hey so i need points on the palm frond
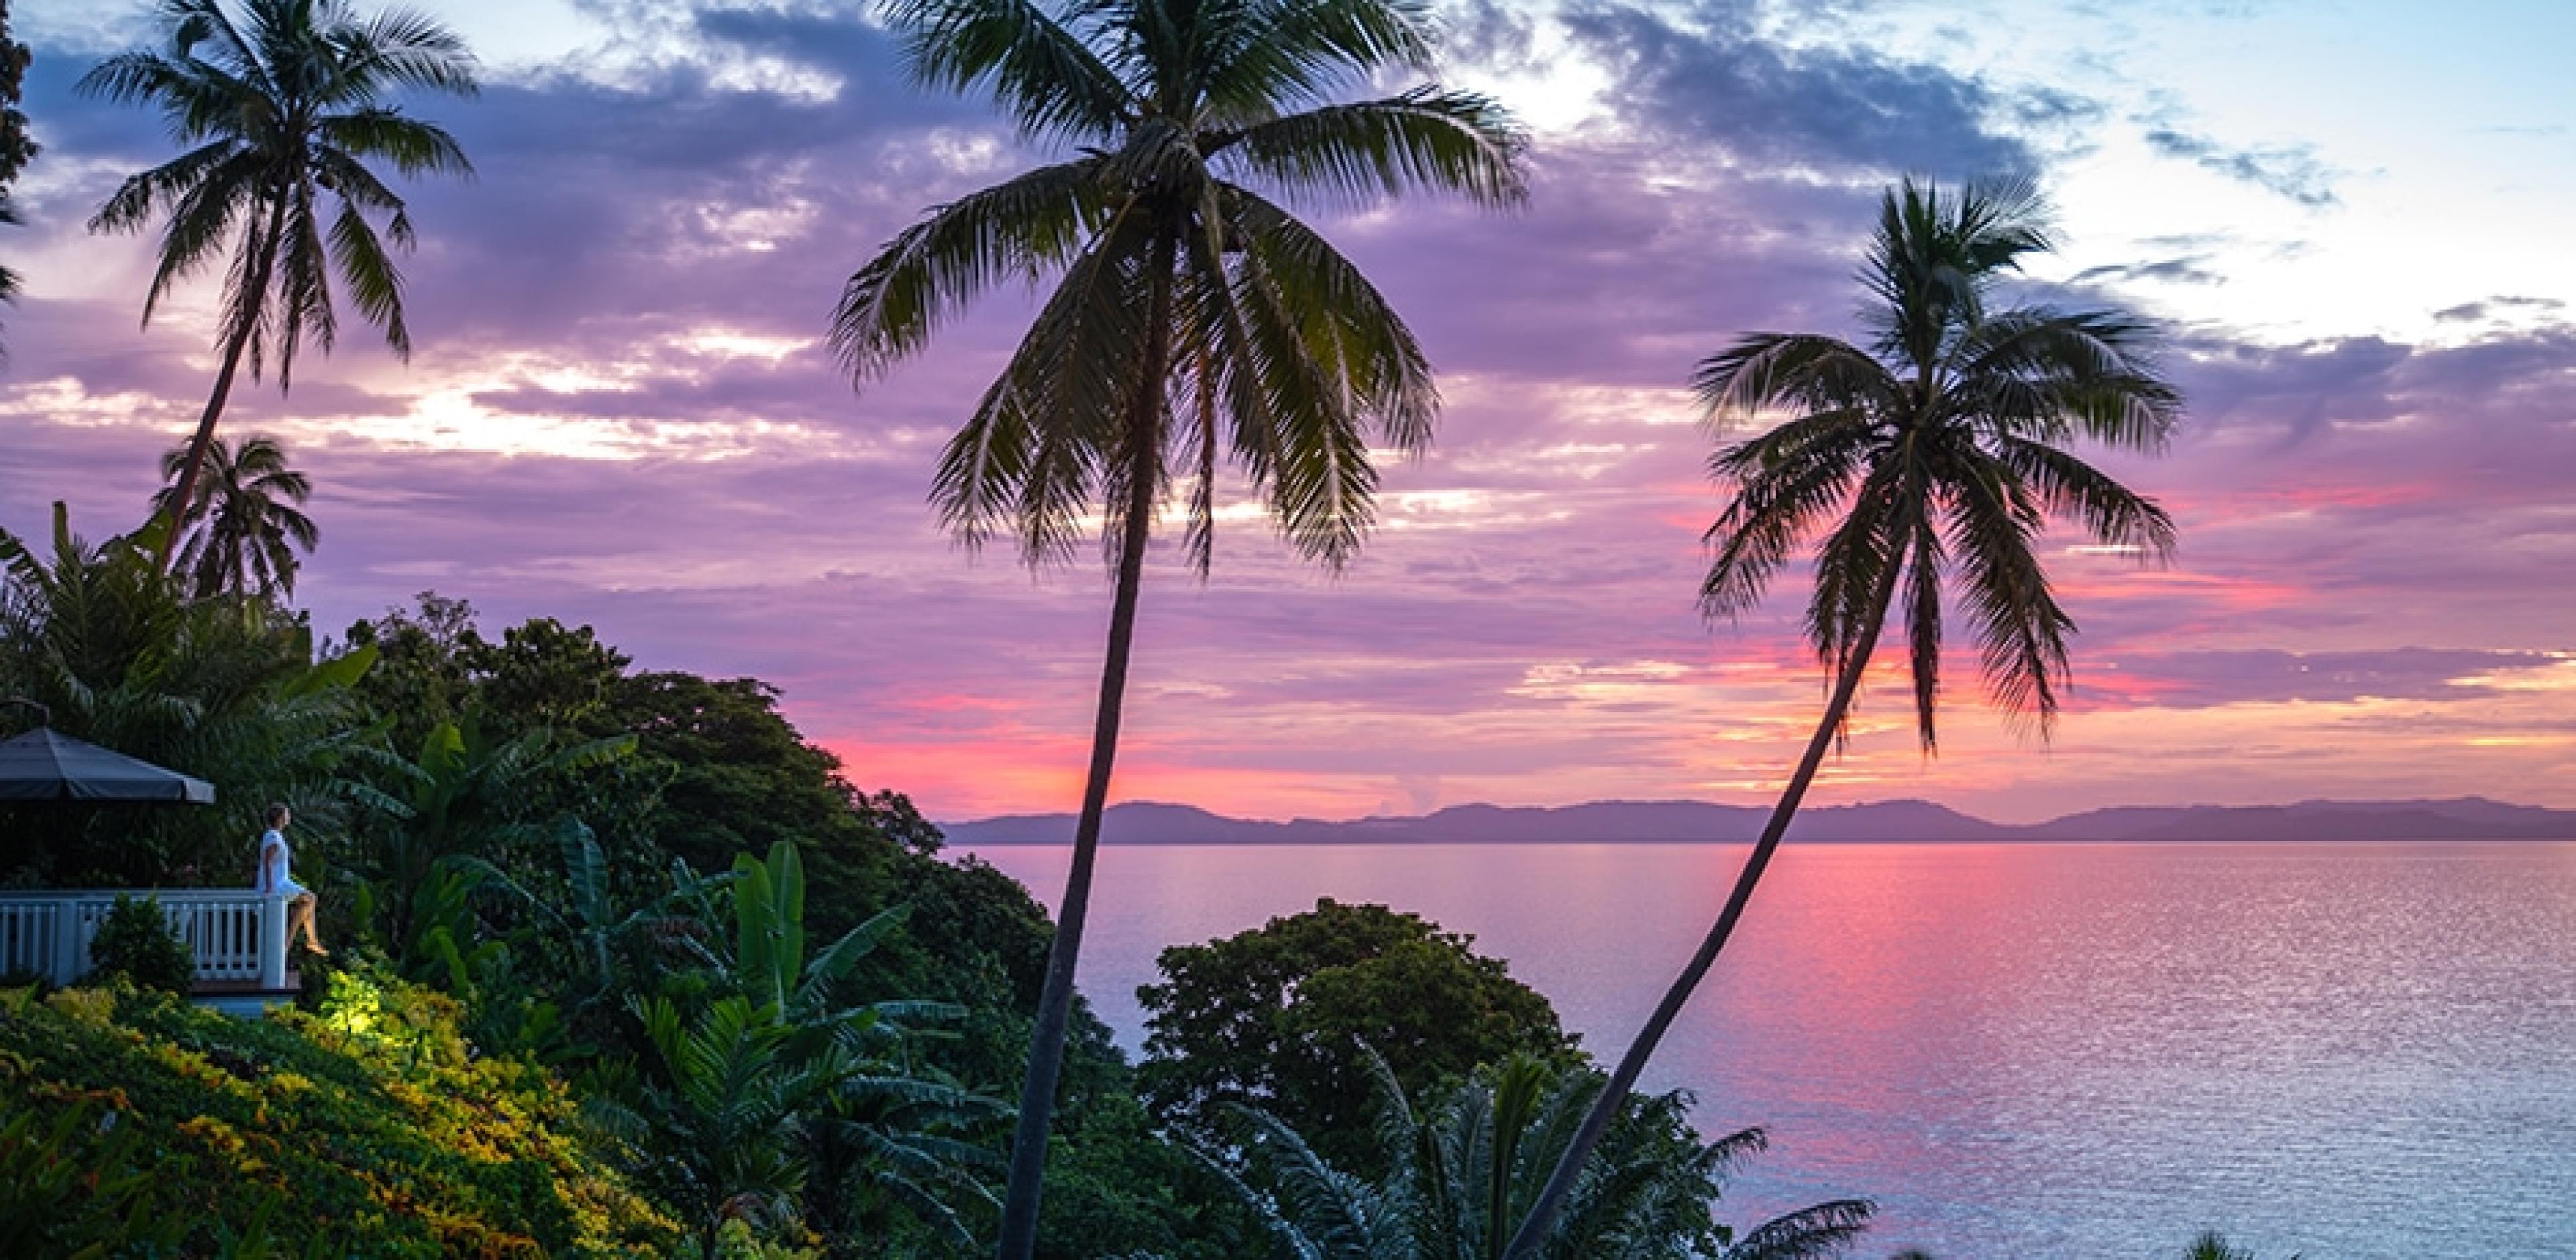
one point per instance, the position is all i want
(2020, 629)
(375, 286)
(1811, 1233)
(401, 48)
(1425, 139)
(2069, 487)
(1788, 482)
(1045, 75)
(413, 147)
(1923, 629)
(1812, 374)
(1017, 229)
(1047, 431)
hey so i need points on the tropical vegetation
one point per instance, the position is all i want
(1277, 1017)
(1456, 1178)
(365, 1125)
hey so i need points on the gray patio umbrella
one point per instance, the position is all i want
(43, 766)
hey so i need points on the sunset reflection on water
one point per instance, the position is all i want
(2353, 1050)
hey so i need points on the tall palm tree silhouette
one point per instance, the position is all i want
(280, 114)
(1932, 459)
(1194, 321)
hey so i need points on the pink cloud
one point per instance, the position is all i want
(621, 415)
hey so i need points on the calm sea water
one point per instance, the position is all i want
(2342, 1050)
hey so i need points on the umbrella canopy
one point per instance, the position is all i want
(43, 766)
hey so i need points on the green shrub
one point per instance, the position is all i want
(377, 1125)
(66, 1190)
(135, 941)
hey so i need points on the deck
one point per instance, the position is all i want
(236, 938)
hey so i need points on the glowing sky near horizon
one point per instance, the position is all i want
(620, 412)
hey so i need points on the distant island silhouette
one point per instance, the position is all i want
(1899, 821)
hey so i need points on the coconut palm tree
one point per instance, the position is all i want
(1926, 462)
(1194, 320)
(280, 114)
(247, 523)
(17, 148)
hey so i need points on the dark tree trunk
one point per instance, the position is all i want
(1019, 1234)
(1560, 1183)
(183, 495)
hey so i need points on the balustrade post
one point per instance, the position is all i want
(272, 943)
(67, 941)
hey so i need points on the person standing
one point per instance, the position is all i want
(277, 879)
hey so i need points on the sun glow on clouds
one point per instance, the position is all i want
(621, 392)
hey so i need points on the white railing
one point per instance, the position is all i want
(234, 935)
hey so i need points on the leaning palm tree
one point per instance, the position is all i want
(1194, 321)
(248, 520)
(1930, 461)
(280, 114)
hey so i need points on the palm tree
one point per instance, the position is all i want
(280, 114)
(1459, 1176)
(247, 523)
(466, 794)
(17, 148)
(1195, 320)
(1930, 460)
(752, 1090)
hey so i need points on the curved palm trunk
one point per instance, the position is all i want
(183, 495)
(1019, 1235)
(1560, 1183)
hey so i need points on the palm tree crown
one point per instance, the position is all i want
(247, 523)
(1938, 454)
(1246, 333)
(280, 114)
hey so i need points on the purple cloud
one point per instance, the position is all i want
(621, 414)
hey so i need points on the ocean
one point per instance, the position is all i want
(2340, 1050)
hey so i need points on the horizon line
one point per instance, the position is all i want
(2379, 802)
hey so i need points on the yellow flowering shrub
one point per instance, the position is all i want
(89, 1006)
(372, 1117)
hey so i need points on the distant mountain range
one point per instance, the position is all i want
(1648, 822)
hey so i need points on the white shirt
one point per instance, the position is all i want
(283, 884)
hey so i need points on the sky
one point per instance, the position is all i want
(2350, 216)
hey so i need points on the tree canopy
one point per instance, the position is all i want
(1276, 1017)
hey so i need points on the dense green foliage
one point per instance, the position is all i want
(135, 941)
(1454, 1181)
(1276, 1016)
(227, 689)
(371, 1116)
(760, 1077)
(557, 843)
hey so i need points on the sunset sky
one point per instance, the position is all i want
(2355, 216)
